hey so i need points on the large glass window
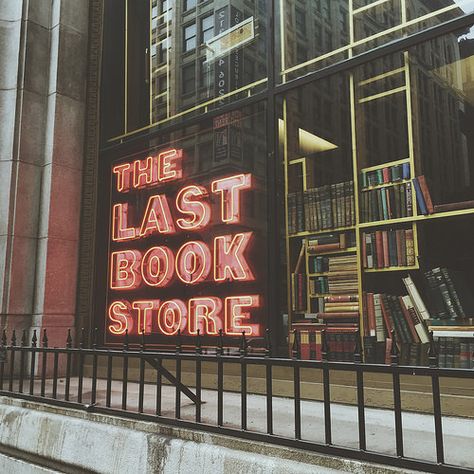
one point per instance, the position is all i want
(157, 37)
(379, 201)
(343, 28)
(187, 239)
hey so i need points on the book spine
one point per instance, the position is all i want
(426, 194)
(453, 293)
(419, 197)
(410, 247)
(386, 255)
(443, 289)
(409, 200)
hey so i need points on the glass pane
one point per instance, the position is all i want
(317, 33)
(152, 40)
(188, 234)
(379, 203)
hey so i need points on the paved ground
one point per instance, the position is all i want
(418, 429)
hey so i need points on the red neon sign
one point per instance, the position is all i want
(170, 253)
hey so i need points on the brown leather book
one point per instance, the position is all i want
(454, 206)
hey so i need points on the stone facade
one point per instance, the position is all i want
(43, 72)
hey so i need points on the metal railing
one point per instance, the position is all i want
(26, 373)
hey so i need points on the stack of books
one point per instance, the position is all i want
(449, 294)
(385, 203)
(388, 248)
(388, 174)
(406, 316)
(456, 352)
(326, 207)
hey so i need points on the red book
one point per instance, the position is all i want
(409, 321)
(304, 345)
(371, 314)
(379, 247)
(386, 255)
(386, 175)
(426, 194)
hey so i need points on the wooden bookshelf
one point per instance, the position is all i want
(304, 173)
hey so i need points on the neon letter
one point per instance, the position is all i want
(229, 261)
(157, 217)
(193, 262)
(120, 229)
(171, 317)
(125, 270)
(121, 318)
(203, 315)
(143, 172)
(229, 189)
(158, 266)
(169, 163)
(123, 177)
(199, 212)
(234, 315)
(144, 309)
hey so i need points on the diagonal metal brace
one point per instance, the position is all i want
(172, 379)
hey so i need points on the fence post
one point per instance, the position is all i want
(433, 359)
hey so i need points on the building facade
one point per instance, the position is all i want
(240, 166)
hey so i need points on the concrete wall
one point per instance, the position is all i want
(42, 115)
(76, 441)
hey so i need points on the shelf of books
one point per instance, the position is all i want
(369, 250)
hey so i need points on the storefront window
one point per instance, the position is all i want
(378, 166)
(340, 29)
(188, 236)
(155, 38)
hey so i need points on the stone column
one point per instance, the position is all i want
(42, 112)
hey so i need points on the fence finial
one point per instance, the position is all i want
(357, 349)
(243, 345)
(394, 351)
(14, 338)
(198, 342)
(125, 340)
(4, 338)
(34, 339)
(83, 339)
(45, 338)
(69, 339)
(295, 351)
(179, 346)
(220, 342)
(268, 343)
(432, 352)
(324, 346)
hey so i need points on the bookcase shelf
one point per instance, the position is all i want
(391, 269)
(337, 180)
(385, 185)
(385, 165)
(309, 233)
(333, 252)
(416, 218)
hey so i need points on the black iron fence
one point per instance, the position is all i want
(32, 371)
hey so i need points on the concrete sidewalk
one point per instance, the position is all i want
(418, 429)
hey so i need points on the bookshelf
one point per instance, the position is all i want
(374, 214)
